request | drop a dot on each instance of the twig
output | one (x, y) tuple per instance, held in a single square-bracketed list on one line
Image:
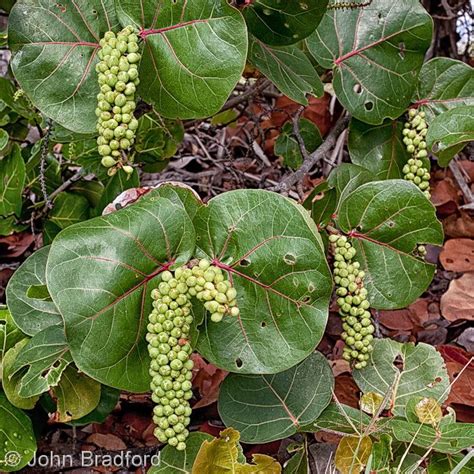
[(461, 180), (314, 157), (247, 95)]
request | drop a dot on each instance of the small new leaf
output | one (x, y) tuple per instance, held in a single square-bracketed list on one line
[(222, 455), (428, 411), (352, 454), (371, 402)]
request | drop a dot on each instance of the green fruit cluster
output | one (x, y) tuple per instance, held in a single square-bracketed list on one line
[(353, 303), (118, 79), (414, 137), (169, 346), (209, 284), (170, 351)]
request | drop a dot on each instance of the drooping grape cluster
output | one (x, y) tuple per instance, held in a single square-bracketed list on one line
[(171, 366), (209, 284), (118, 80), (169, 346), (414, 137), (353, 303)]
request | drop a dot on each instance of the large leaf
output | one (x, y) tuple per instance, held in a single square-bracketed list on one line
[(12, 180), (265, 408), (449, 438), (11, 382), (282, 23), (387, 220), (171, 460), (376, 53), (55, 48), (338, 418), (450, 132), (109, 397), (273, 253), (100, 274), (42, 361), (346, 178), (444, 83), (9, 334), (378, 148), (77, 395), (69, 209), (17, 440), (422, 374), (31, 314), (288, 68), (194, 53)]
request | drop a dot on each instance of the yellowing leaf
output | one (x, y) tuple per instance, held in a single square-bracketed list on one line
[(220, 456), (370, 402), (428, 411), (352, 454)]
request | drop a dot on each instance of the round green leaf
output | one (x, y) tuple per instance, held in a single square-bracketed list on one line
[(100, 274), (11, 382), (282, 23), (77, 395), (288, 68), (31, 314), (450, 132), (193, 56), (17, 440), (275, 257), (109, 398), (387, 220), (378, 148), (172, 460), (265, 408), (12, 177), (444, 84), (346, 178), (69, 209), (42, 361), (55, 63), (423, 373), (376, 67)]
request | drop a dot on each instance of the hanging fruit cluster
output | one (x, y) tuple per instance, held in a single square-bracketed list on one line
[(169, 346), (118, 79), (353, 303), (414, 137)]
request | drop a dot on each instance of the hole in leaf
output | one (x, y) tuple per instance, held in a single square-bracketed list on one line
[(391, 224), (436, 147), (357, 89), (306, 299), (245, 262), (263, 324), (311, 287), (239, 363), (369, 106), (289, 259), (402, 49)]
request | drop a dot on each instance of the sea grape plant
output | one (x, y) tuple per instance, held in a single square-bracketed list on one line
[(120, 301)]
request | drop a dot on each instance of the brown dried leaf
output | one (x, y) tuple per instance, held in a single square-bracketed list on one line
[(207, 379), (106, 441), (462, 391), (445, 196), (458, 302), (458, 255), (408, 319), (459, 226)]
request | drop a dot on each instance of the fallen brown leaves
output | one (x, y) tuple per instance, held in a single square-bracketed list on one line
[(458, 302)]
